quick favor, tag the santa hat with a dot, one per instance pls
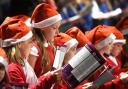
(23, 18)
(44, 15)
(3, 58)
(6, 21)
(76, 33)
(101, 36)
(122, 25)
(14, 31)
(65, 40)
(119, 35)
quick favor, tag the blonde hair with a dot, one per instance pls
(39, 37)
(13, 54)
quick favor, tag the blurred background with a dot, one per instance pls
(80, 13)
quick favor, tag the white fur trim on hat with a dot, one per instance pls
(34, 51)
(28, 22)
(125, 31)
(120, 41)
(47, 22)
(4, 62)
(9, 42)
(105, 42)
(70, 43)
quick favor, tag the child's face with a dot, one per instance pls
(25, 47)
(116, 49)
(51, 31)
(2, 72)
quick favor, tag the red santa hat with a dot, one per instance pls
(122, 25)
(14, 31)
(7, 21)
(44, 15)
(76, 33)
(65, 40)
(119, 35)
(23, 18)
(101, 36)
(3, 58)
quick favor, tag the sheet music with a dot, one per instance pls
(82, 65)
(85, 68)
(79, 57)
(59, 57)
(103, 78)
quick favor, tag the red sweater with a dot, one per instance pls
(16, 75)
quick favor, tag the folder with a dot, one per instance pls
(82, 65)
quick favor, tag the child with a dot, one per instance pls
(45, 22)
(67, 45)
(17, 41)
(34, 50)
(102, 38)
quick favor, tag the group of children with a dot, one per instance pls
(28, 49)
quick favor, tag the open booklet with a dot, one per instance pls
(105, 76)
(82, 65)
(59, 57)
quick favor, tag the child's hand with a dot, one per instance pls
(57, 73)
(88, 85)
(124, 77)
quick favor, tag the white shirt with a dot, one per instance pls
(31, 77)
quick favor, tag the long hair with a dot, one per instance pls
(40, 39)
(13, 54)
